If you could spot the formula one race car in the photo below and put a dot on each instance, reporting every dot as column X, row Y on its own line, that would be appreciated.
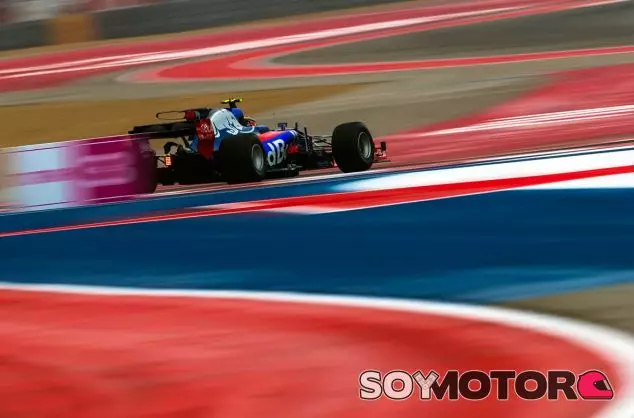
column 222, row 144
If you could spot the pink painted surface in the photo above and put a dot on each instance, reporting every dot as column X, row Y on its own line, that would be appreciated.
column 115, row 168
column 80, row 172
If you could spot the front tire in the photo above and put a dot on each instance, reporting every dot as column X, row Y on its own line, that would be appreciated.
column 242, row 159
column 353, row 147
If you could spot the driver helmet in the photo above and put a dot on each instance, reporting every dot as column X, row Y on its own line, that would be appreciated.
column 239, row 114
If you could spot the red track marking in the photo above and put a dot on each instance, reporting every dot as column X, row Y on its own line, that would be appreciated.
column 133, row 356
column 545, row 116
column 256, row 68
column 344, row 200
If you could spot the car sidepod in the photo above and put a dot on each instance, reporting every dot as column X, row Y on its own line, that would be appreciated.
column 275, row 144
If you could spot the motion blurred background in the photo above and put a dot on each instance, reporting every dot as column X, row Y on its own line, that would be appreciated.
column 15, row 11
column 32, row 23
column 567, row 254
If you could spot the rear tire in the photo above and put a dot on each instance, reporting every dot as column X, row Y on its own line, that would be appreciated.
column 353, row 147
column 242, row 159
column 153, row 176
column 165, row 176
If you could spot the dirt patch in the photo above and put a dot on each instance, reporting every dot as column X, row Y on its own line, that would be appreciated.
column 47, row 122
column 610, row 306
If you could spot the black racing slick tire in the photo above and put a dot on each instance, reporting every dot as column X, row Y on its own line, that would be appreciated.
column 352, row 147
column 242, row 159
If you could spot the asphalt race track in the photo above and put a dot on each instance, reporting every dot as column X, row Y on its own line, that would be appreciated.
column 534, row 76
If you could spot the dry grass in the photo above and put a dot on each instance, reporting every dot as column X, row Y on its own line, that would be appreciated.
column 47, row 122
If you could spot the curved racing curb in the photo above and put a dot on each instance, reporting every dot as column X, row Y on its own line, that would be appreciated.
column 613, row 346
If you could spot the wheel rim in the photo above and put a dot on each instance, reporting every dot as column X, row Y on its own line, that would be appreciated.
column 365, row 145
column 257, row 156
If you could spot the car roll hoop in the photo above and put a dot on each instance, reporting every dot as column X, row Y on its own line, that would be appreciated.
column 232, row 102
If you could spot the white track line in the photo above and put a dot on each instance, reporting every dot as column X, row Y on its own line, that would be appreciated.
column 503, row 170
column 614, row 346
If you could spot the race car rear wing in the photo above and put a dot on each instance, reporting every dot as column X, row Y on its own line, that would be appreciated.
column 165, row 130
